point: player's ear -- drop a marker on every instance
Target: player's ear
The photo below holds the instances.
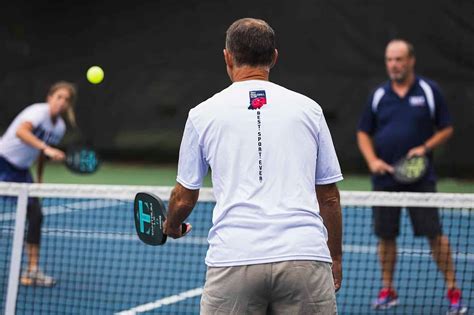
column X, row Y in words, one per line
column 275, row 57
column 229, row 61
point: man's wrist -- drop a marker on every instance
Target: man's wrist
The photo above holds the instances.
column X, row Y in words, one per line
column 172, row 224
column 372, row 160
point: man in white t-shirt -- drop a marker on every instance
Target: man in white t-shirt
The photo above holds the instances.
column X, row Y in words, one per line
column 274, row 173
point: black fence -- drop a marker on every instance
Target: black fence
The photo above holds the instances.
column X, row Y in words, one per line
column 162, row 58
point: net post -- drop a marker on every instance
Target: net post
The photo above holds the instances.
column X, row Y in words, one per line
column 17, row 248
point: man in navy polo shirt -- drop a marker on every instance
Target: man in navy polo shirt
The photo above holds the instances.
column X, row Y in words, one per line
column 406, row 116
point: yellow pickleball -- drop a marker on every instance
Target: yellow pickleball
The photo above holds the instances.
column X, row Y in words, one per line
column 95, row 74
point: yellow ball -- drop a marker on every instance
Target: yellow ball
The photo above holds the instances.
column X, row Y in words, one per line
column 95, row 75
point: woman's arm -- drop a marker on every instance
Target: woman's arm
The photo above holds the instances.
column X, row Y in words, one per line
column 25, row 133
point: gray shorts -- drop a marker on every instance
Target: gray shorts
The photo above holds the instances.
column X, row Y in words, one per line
column 288, row 287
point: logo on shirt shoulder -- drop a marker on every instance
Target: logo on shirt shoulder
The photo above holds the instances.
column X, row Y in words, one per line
column 257, row 99
column 417, row 101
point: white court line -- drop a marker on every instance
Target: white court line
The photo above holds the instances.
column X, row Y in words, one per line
column 69, row 207
column 113, row 235
column 79, row 205
column 202, row 241
column 172, row 299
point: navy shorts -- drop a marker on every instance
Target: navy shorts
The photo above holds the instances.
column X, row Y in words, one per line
column 10, row 173
column 425, row 221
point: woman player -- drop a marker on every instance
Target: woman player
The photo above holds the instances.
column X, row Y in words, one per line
column 32, row 136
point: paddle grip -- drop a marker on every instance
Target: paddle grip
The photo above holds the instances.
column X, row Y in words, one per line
column 183, row 228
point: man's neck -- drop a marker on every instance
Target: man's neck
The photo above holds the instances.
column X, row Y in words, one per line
column 250, row 73
column 401, row 88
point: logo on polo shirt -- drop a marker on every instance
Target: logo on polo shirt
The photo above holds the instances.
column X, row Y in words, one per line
column 257, row 99
column 417, row 101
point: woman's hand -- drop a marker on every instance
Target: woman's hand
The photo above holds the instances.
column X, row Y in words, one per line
column 54, row 154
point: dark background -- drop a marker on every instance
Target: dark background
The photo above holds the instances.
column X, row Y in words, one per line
column 161, row 58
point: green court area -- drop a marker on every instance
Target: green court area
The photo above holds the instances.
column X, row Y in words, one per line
column 165, row 175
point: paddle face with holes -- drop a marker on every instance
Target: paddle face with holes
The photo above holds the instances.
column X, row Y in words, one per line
column 410, row 170
column 82, row 160
column 149, row 214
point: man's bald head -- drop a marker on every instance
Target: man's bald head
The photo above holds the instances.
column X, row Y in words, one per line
column 403, row 45
column 251, row 42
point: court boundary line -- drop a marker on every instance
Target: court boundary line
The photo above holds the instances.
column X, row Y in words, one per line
column 64, row 208
column 202, row 241
column 172, row 299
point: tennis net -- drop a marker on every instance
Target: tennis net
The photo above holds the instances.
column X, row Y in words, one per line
column 89, row 246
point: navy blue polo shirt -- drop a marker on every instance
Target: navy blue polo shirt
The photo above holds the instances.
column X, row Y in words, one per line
column 397, row 124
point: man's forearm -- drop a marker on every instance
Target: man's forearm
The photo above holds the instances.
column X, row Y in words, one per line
column 182, row 202
column 366, row 147
column 333, row 222
column 440, row 137
column 330, row 210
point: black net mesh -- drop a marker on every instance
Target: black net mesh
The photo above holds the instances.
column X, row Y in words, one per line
column 90, row 248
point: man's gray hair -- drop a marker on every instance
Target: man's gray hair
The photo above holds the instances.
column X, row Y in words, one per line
column 251, row 42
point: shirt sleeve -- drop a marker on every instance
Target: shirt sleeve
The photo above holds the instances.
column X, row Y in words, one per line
column 328, row 170
column 192, row 165
column 34, row 115
column 367, row 119
column 442, row 117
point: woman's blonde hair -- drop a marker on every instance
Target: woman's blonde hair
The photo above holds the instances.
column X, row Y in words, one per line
column 71, row 116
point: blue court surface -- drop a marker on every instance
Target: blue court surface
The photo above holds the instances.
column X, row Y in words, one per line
column 101, row 267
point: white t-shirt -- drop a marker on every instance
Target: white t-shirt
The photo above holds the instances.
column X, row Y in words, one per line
column 18, row 152
column 265, row 164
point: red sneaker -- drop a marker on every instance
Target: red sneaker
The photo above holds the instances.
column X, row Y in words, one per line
column 387, row 298
column 455, row 302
